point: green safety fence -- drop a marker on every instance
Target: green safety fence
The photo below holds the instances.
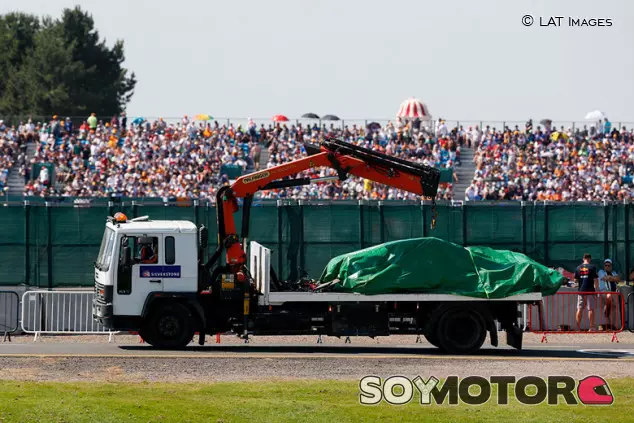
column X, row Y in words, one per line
column 37, row 168
column 446, row 175
column 232, row 171
column 54, row 244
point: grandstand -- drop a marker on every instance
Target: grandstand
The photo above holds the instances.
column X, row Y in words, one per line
column 188, row 158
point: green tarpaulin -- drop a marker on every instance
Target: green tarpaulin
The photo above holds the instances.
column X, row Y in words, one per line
column 431, row 265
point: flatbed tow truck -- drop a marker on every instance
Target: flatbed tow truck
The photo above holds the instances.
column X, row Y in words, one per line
column 151, row 277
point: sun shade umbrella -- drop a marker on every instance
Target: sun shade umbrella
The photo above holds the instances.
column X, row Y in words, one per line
column 556, row 135
column 310, row 116
column 330, row 117
column 203, row 117
column 595, row 115
column 280, row 118
column 374, row 126
column 413, row 109
column 546, row 122
column 138, row 121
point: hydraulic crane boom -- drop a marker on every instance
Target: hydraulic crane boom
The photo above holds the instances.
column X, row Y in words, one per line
column 347, row 159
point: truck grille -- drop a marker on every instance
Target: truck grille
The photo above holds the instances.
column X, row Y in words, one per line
column 100, row 292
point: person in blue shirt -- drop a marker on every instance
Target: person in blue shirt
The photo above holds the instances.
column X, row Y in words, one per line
column 608, row 279
column 68, row 126
column 588, row 281
column 607, row 126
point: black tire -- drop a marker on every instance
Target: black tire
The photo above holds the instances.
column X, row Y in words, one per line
column 461, row 331
column 431, row 328
column 170, row 327
column 432, row 338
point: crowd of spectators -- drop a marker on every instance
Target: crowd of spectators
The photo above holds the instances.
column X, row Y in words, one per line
column 12, row 153
column 592, row 163
column 143, row 159
column 285, row 143
column 186, row 159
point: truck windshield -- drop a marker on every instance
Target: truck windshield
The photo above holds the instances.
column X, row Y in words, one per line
column 106, row 250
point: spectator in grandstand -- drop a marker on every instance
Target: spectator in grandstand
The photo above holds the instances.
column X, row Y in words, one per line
column 92, row 121
column 587, row 279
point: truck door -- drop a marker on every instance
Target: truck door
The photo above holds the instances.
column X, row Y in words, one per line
column 143, row 276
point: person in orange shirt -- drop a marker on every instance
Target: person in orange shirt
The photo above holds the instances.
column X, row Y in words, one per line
column 149, row 254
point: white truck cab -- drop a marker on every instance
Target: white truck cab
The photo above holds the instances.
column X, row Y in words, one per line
column 162, row 258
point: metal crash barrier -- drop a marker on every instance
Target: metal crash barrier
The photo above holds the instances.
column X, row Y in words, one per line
column 9, row 313
column 558, row 314
column 60, row 312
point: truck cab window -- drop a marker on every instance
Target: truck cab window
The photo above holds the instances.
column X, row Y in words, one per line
column 106, row 250
column 147, row 250
column 124, row 275
column 170, row 250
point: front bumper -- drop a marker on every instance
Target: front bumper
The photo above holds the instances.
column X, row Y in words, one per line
column 103, row 314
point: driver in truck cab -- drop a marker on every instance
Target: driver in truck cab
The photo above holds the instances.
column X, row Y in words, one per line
column 148, row 253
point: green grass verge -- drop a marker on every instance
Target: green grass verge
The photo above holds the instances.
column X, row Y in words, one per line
column 303, row 401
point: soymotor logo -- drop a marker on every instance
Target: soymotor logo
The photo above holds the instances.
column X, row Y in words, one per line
column 477, row 390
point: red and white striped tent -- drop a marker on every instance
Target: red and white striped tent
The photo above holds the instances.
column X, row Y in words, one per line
column 413, row 109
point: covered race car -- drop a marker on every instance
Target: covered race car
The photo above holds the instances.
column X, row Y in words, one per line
column 432, row 265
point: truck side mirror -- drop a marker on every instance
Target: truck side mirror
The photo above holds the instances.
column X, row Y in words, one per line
column 203, row 237
column 126, row 259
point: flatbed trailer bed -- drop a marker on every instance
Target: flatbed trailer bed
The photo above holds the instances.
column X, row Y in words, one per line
column 455, row 323
column 278, row 298
column 260, row 258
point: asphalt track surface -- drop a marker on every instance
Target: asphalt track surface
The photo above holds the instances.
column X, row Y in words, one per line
column 137, row 362
column 546, row 351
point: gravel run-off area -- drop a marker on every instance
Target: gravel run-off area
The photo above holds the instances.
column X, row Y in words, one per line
column 344, row 366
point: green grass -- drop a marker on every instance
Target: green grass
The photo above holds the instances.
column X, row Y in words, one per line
column 303, row 401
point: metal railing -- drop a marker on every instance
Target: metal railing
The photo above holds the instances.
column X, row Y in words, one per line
column 558, row 314
column 60, row 312
column 344, row 121
column 9, row 313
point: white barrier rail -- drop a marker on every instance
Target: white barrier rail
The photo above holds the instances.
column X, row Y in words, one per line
column 60, row 312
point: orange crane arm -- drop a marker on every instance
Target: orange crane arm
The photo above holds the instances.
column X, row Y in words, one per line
column 346, row 159
column 250, row 184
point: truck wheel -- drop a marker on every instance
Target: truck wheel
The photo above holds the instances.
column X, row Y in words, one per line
column 461, row 331
column 432, row 338
column 170, row 327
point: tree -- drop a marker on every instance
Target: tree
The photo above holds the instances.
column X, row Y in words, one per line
column 105, row 86
column 17, row 36
column 61, row 67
